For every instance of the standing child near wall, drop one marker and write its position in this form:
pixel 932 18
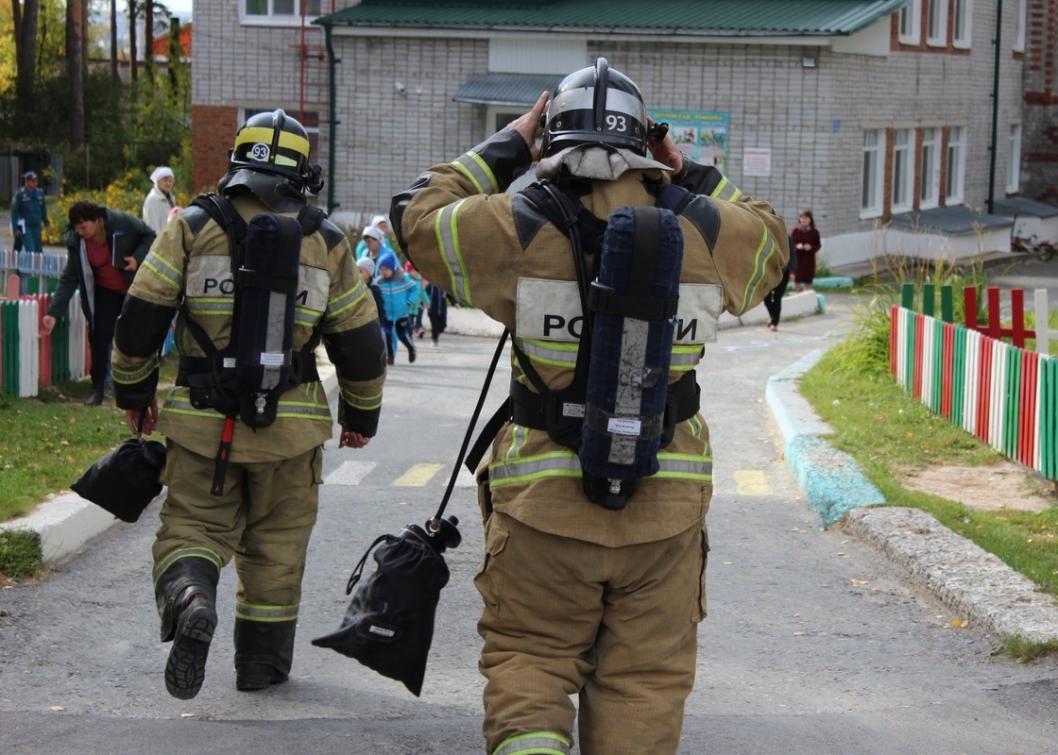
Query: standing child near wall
pixel 806 245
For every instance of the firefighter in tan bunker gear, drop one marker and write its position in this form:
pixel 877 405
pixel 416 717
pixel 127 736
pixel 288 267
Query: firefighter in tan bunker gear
pixel 262 507
pixel 579 599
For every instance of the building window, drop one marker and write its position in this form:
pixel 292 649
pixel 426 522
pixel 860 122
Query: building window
pixel 1019 37
pixel 956 164
pixel 963 23
pixel 929 188
pixel 1014 166
pixel 937 23
pixel 871 197
pixel 310 119
pixel 903 173
pixel 279 9
pixel 911 23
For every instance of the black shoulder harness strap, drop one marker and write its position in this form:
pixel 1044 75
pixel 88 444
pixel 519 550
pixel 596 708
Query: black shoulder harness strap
pixel 214 370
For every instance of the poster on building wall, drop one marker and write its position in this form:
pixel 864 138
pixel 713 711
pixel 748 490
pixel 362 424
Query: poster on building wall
pixel 756 161
pixel 699 134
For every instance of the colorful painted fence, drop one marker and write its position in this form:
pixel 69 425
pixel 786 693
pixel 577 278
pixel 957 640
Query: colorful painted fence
pixel 28 360
pixel 31 273
pixel 1003 394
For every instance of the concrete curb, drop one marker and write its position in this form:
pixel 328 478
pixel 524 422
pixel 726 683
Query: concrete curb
pixel 65 523
pixel 972 582
pixel 832 480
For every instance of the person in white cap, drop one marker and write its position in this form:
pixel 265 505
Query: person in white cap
pixel 389 241
pixel 372 244
pixel 159 202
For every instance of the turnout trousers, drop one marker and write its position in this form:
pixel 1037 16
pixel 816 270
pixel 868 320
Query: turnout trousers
pixel 263 520
pixel 615 626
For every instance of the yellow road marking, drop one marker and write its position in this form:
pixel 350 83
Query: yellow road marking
pixel 751 482
pixel 418 475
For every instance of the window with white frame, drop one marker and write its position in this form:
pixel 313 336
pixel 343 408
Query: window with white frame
pixel 937 23
pixel 1014 166
pixel 871 195
pixel 1019 37
pixel 278 10
pixel 903 171
pixel 962 23
pixel 956 164
pixel 911 23
pixel 929 186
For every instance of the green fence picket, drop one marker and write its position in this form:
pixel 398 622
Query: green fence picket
pixel 907 296
pixel 1012 418
pixel 947 307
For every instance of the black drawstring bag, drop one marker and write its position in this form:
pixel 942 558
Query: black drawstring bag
pixel 125 480
pixel 388 626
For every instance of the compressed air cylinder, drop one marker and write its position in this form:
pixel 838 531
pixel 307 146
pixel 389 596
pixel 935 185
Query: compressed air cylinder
pixel 634 303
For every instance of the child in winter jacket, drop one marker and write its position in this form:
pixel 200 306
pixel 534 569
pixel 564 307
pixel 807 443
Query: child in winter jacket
pixel 400 301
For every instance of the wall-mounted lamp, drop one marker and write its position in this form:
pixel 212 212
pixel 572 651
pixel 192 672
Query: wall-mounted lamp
pixel 808 61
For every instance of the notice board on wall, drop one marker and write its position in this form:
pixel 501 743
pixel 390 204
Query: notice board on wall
pixel 699 134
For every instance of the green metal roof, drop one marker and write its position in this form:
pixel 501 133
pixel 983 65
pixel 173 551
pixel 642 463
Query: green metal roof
pixel 682 17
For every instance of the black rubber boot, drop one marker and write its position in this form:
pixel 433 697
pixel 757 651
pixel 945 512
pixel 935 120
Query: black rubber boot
pixel 264 652
pixel 186 595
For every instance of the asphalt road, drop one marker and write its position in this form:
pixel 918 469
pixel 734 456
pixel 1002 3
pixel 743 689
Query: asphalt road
pixel 815 643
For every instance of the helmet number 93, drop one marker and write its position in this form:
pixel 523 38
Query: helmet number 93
pixel 616 123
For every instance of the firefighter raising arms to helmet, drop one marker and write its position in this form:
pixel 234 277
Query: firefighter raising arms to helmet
pixel 257 277
pixel 598 482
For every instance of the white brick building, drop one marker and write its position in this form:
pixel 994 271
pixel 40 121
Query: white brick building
pixel 870 111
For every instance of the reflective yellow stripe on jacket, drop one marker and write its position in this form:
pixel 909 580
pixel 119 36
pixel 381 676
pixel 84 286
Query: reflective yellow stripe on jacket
pixel 451 255
pixel 564 354
pixel 514 469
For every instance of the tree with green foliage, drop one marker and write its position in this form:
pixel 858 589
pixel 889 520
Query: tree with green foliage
pixel 24 18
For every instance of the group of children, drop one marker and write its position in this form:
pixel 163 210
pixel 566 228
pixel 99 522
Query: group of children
pixel 401 294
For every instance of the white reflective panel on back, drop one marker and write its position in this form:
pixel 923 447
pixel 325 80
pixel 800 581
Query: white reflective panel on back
pixel 210 275
pixel 550 310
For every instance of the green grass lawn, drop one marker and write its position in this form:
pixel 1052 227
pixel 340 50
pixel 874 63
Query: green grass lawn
pixel 885 429
pixel 46 443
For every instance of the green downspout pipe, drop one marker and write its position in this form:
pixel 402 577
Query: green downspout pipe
pixel 332 120
pixel 995 109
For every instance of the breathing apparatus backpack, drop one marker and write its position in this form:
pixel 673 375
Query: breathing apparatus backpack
pixel 619 410
pixel 246 378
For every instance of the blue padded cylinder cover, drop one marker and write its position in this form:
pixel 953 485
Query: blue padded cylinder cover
pixel 629 361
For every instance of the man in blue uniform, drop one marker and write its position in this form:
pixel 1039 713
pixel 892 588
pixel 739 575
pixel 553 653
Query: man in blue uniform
pixel 28 214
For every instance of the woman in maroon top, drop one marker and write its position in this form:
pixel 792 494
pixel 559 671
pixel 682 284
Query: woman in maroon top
pixel 806 244
pixel 96 239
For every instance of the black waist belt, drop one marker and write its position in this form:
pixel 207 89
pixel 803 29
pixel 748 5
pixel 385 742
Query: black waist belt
pixel 532 410
pixel 198 371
